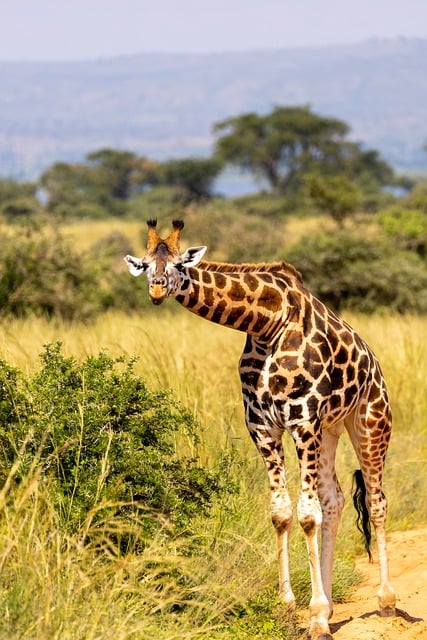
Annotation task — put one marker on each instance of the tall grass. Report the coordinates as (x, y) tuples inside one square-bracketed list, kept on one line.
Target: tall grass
[(54, 586)]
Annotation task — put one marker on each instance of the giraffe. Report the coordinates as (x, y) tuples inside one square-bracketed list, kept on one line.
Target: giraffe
[(305, 371)]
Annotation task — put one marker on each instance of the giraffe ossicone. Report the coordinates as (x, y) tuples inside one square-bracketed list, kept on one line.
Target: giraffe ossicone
[(305, 371)]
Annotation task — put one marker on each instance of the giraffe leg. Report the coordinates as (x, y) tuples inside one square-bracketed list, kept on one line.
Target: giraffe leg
[(270, 447), (371, 449), (310, 518), (377, 507), (332, 502)]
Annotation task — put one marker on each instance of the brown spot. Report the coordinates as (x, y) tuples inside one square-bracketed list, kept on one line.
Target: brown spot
[(295, 412), (259, 324), (270, 299), (235, 314), (219, 310), (251, 281), (220, 280), (308, 525), (237, 293), (293, 340), (203, 311), (342, 356), (208, 296), (337, 378), (289, 363), (277, 384), (246, 322)]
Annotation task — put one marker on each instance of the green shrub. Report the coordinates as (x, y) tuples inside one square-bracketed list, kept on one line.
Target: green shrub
[(41, 273), (408, 227), (417, 198), (347, 271), (104, 444)]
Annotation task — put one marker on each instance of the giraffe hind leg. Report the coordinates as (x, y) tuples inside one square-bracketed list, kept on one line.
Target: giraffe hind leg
[(375, 510), (370, 433)]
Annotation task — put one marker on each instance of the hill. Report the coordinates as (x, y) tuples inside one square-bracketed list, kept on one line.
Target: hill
[(164, 105)]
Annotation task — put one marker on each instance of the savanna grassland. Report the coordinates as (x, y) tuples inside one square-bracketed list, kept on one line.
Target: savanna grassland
[(54, 585), (197, 560)]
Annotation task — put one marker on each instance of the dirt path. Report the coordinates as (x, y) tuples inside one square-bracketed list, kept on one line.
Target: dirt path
[(358, 619)]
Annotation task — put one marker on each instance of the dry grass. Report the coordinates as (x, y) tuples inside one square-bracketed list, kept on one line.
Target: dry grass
[(52, 586)]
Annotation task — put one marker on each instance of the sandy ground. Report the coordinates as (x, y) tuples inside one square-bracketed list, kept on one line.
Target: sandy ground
[(358, 619)]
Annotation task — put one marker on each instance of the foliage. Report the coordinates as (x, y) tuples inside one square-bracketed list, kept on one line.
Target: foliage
[(20, 208), (122, 172), (334, 195), (290, 142), (18, 199), (192, 178), (42, 273), (407, 226), (51, 585), (104, 443), (348, 271), (12, 189), (100, 186), (417, 197)]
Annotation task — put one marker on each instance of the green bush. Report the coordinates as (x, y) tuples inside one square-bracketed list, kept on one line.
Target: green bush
[(41, 273), (104, 444), (408, 227), (347, 271)]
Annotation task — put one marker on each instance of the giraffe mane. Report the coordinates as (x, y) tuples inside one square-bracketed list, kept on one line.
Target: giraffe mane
[(263, 267)]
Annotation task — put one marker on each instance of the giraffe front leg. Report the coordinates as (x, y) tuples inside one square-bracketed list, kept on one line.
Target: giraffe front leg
[(270, 447), (310, 518), (281, 515)]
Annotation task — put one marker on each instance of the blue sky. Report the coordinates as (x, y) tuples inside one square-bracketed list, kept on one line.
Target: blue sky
[(92, 29)]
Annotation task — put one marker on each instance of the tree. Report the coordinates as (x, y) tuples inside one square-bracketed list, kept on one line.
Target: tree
[(121, 172), (12, 189), (68, 186), (290, 142), (18, 199), (281, 145), (334, 195), (99, 187), (192, 178)]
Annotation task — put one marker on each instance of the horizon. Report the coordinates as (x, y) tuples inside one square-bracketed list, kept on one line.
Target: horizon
[(103, 29), (369, 40)]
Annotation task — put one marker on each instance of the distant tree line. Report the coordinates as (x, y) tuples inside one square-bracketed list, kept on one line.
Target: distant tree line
[(291, 149), (306, 161)]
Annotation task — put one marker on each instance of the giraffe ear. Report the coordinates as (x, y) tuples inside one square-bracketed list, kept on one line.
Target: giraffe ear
[(135, 265), (192, 256)]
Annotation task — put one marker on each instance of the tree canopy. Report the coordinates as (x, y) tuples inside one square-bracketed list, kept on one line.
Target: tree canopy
[(284, 145), (108, 178), (192, 178)]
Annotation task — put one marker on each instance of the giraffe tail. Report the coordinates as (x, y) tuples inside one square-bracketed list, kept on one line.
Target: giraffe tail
[(363, 521)]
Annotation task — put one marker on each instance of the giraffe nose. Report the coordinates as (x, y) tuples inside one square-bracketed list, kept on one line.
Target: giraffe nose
[(158, 289)]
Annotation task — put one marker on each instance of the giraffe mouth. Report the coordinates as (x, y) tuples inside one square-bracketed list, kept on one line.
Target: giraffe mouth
[(156, 301), (157, 293)]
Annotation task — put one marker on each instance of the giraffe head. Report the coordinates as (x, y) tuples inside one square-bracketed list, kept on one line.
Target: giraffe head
[(163, 264)]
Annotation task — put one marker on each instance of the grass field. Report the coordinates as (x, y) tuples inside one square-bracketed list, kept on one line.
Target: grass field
[(54, 587)]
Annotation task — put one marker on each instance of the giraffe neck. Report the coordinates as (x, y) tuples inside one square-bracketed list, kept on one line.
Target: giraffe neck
[(249, 298)]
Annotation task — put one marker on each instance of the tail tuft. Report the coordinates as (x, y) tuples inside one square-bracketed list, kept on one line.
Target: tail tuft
[(363, 521)]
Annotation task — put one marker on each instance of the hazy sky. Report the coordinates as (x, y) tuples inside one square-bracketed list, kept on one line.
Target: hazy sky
[(91, 29)]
